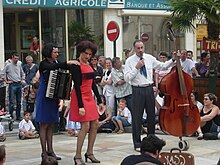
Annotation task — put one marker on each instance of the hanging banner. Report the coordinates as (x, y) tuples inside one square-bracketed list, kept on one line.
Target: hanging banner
[(211, 45)]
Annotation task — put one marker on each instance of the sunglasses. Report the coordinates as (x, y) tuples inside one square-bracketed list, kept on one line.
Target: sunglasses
[(93, 59)]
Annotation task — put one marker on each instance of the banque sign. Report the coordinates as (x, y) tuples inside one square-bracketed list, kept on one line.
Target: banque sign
[(123, 4)]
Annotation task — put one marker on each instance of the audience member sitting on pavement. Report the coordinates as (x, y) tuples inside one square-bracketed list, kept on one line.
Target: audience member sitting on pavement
[(203, 66), (71, 126), (123, 118), (2, 154), (26, 128), (150, 149), (194, 98), (2, 133), (105, 118), (49, 161), (208, 113)]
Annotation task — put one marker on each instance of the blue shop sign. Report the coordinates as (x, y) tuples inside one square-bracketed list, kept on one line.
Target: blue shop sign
[(123, 4), (57, 3)]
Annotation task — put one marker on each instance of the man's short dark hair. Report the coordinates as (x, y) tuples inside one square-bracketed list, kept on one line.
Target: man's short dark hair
[(151, 144), (14, 53), (137, 41)]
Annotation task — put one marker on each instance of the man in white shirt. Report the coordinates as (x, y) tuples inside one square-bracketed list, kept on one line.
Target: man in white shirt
[(188, 65), (139, 72)]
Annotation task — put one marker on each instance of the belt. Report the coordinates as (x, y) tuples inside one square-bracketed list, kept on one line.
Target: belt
[(16, 82), (142, 86)]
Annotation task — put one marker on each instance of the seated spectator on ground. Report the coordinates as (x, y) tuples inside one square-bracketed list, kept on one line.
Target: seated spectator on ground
[(2, 133), (105, 118), (150, 149), (49, 160), (26, 128), (194, 98), (208, 114), (123, 118), (2, 154)]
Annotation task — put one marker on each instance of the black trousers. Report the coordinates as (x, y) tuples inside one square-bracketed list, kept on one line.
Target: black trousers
[(142, 99)]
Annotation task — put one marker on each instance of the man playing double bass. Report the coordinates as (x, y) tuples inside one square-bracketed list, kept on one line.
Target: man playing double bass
[(139, 72)]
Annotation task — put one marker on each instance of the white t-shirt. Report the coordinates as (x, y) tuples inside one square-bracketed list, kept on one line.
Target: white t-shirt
[(28, 126), (126, 113), (187, 66)]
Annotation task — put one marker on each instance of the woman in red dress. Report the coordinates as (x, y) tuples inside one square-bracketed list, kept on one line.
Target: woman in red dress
[(83, 107)]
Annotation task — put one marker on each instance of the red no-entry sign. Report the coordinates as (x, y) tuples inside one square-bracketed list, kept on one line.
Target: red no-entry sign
[(144, 37), (112, 31)]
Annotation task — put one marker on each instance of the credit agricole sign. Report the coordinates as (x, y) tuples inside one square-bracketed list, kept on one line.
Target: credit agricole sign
[(123, 4)]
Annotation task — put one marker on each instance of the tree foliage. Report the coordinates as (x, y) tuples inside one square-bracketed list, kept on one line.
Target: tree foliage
[(185, 12), (79, 32)]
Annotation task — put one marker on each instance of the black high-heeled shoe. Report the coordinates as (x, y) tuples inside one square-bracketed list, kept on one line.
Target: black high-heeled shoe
[(53, 155), (92, 158), (81, 161)]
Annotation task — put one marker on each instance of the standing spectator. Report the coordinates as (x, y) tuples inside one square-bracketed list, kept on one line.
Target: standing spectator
[(83, 107), (122, 89), (47, 113), (30, 69), (15, 77), (123, 118), (2, 90), (106, 82), (35, 46), (190, 56), (203, 66), (150, 150), (26, 128), (98, 72), (188, 65), (102, 62), (139, 72), (2, 154)]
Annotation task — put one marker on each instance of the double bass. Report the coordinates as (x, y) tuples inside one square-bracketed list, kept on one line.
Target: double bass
[(178, 116)]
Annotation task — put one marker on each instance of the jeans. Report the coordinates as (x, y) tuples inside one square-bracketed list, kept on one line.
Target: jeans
[(125, 122), (15, 91), (2, 97)]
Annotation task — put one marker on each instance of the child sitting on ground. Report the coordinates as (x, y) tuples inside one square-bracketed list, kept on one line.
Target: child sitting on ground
[(123, 118), (2, 133), (26, 128)]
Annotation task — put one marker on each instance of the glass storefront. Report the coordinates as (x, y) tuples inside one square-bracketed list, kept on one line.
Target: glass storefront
[(20, 25)]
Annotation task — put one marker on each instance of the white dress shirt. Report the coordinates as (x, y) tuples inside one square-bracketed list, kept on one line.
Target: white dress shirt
[(133, 75)]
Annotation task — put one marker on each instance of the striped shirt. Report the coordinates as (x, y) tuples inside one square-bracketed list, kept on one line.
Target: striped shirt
[(123, 89)]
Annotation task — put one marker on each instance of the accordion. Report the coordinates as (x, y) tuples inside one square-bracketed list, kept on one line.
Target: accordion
[(59, 84)]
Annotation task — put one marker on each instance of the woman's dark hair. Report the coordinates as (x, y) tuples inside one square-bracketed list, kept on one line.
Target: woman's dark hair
[(203, 55), (196, 94), (48, 49), (103, 98), (83, 45)]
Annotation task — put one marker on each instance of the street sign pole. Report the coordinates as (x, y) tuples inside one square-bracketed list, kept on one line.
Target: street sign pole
[(112, 34)]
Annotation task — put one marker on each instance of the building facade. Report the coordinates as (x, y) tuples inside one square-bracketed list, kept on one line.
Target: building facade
[(57, 21)]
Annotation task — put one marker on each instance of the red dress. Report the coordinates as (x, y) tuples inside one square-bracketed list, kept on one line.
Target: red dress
[(91, 112)]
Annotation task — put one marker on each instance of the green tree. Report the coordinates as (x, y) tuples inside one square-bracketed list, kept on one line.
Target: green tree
[(185, 12), (79, 32)]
